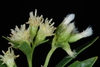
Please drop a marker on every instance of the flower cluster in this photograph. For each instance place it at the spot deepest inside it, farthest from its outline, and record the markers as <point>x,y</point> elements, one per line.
<point>67,33</point>
<point>26,39</point>
<point>38,27</point>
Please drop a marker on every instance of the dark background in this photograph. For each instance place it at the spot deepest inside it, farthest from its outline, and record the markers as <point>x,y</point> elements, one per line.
<point>14,12</point>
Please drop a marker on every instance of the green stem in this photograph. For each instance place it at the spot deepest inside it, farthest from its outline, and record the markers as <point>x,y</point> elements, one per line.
<point>49,56</point>
<point>30,58</point>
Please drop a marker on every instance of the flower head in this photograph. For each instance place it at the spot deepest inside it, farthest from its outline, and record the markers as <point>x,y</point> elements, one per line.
<point>20,34</point>
<point>34,22</point>
<point>8,57</point>
<point>46,29</point>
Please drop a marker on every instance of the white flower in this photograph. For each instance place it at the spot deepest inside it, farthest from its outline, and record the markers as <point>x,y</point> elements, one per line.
<point>20,34</point>
<point>8,57</point>
<point>35,20</point>
<point>47,27</point>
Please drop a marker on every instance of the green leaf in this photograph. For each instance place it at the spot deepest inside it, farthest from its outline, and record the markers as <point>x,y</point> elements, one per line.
<point>25,48</point>
<point>66,60</point>
<point>86,63</point>
<point>75,64</point>
<point>2,65</point>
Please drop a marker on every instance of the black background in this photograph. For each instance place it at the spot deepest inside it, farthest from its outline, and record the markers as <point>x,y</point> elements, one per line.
<point>17,12</point>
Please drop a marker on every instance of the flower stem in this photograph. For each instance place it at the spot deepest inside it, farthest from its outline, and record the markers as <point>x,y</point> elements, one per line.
<point>30,58</point>
<point>49,56</point>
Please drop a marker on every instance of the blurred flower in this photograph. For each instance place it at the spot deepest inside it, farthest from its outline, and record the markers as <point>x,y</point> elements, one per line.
<point>8,57</point>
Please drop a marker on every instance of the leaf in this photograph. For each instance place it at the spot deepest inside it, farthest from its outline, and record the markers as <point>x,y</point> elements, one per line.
<point>2,65</point>
<point>66,60</point>
<point>86,63</point>
<point>25,48</point>
<point>75,64</point>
